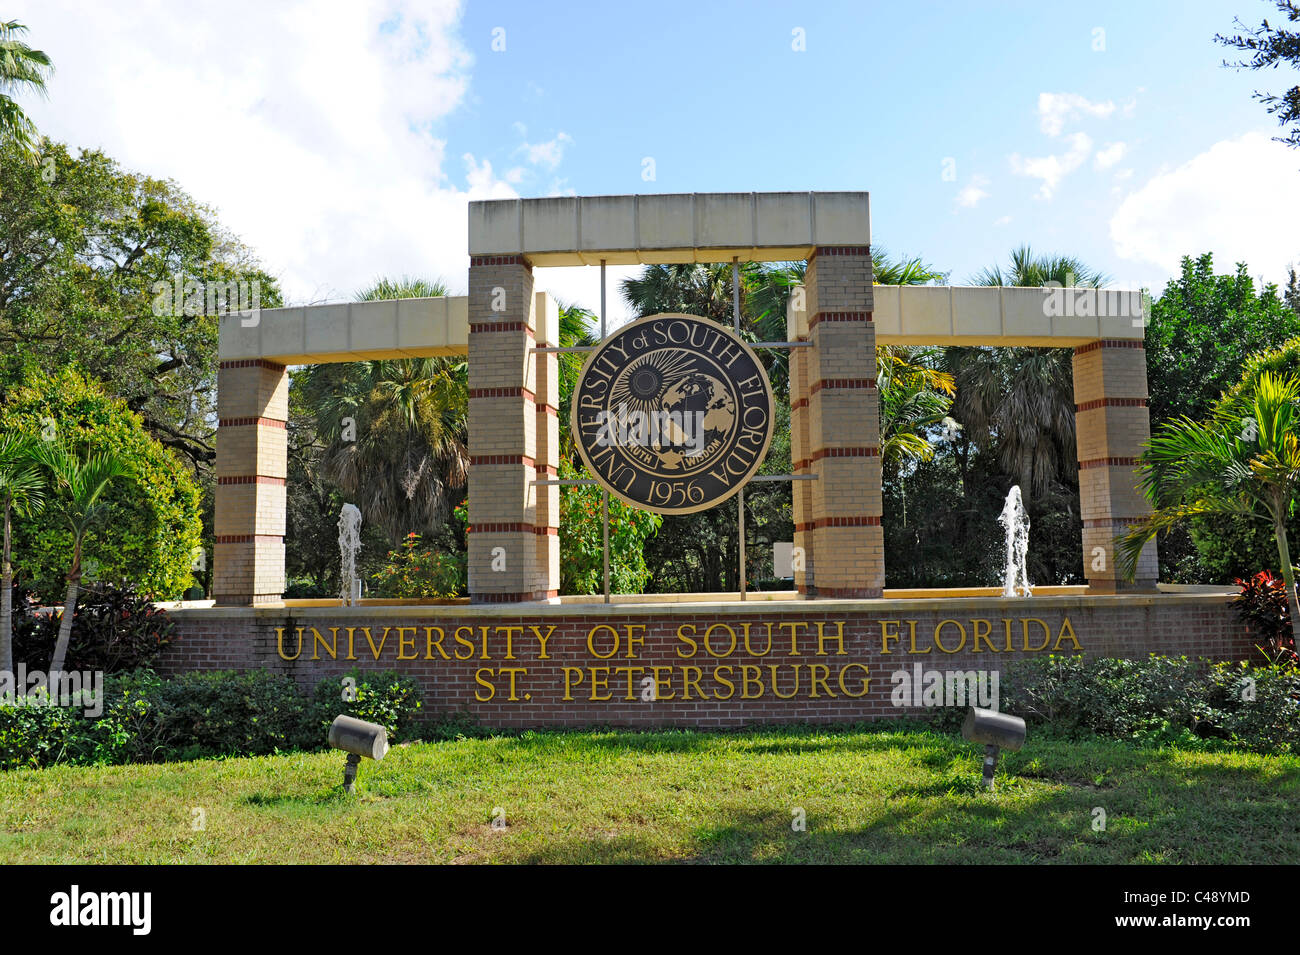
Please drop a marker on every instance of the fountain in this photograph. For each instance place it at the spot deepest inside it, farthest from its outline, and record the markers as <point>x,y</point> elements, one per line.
<point>349,546</point>
<point>1015,577</point>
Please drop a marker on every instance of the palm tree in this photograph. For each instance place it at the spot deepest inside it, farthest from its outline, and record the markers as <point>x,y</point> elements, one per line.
<point>22,489</point>
<point>411,446</point>
<point>81,483</point>
<point>1244,460</point>
<point>22,69</point>
<point>1020,401</point>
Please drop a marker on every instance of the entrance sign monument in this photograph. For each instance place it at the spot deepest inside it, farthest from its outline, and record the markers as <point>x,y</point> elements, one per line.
<point>674,413</point>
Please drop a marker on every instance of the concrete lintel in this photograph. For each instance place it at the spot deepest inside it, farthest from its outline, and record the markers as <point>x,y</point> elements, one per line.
<point>655,229</point>
<point>356,331</point>
<point>979,315</point>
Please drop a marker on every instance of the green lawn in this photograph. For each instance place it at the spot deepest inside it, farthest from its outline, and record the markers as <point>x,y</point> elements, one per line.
<point>869,795</point>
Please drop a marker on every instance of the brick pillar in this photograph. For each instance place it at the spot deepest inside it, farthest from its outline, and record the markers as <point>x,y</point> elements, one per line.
<point>547,372</point>
<point>252,465</point>
<point>844,424</point>
<point>503,564</point>
<point>1111,424</point>
<point>796,329</point>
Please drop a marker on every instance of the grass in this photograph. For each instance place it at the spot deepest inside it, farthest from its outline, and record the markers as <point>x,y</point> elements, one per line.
<point>869,795</point>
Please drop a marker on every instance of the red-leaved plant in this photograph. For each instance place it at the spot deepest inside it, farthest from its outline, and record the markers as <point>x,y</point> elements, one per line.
<point>1263,605</point>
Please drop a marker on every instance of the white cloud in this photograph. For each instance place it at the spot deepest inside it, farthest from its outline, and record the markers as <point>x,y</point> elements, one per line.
<point>333,176</point>
<point>970,196</point>
<point>1054,109</point>
<point>1110,154</point>
<point>1236,200</point>
<point>546,154</point>
<point>1002,220</point>
<point>1052,169</point>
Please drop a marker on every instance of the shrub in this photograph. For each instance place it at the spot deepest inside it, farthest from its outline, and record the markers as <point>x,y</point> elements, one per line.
<point>387,698</point>
<point>153,526</point>
<point>113,629</point>
<point>1158,699</point>
<point>1263,605</point>
<point>416,571</point>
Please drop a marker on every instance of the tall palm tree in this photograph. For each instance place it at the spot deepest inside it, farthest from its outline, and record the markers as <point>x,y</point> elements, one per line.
<point>22,69</point>
<point>81,483</point>
<point>410,449</point>
<point>22,489</point>
<point>1244,460</point>
<point>1019,402</point>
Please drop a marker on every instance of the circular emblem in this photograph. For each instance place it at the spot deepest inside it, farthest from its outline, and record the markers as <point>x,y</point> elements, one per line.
<point>673,413</point>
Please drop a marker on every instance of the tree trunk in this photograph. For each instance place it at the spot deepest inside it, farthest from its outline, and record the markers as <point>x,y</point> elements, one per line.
<point>1288,576</point>
<point>65,625</point>
<point>7,600</point>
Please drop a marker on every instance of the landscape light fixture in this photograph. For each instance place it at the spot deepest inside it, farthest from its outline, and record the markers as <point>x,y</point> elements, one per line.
<point>357,738</point>
<point>996,731</point>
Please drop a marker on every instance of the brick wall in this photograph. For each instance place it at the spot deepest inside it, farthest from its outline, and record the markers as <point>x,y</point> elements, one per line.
<point>835,646</point>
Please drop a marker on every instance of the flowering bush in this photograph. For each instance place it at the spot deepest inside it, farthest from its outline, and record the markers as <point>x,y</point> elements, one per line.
<point>1263,605</point>
<point>416,570</point>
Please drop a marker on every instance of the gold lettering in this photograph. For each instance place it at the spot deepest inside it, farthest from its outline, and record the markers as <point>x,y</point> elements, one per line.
<point>939,630</point>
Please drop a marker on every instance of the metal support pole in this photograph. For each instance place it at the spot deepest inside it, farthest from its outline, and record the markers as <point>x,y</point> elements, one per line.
<point>740,498</point>
<point>604,496</point>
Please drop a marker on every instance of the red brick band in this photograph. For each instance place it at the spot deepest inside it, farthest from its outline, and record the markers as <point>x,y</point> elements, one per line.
<point>801,464</point>
<point>502,459</point>
<point>1109,343</point>
<point>518,392</point>
<point>478,260</point>
<point>546,470</point>
<point>520,597</point>
<point>841,316</point>
<point>801,403</point>
<point>845,522</point>
<point>851,593</point>
<point>480,328</point>
<point>245,422</point>
<point>841,384</point>
<point>544,531</point>
<point>1107,463</point>
<point>802,528</point>
<point>1111,403</point>
<point>251,479</point>
<point>1111,521</point>
<point>548,409</point>
<point>864,452</point>
<point>249,539</point>
<point>517,527</point>
<point>251,363</point>
<point>840,250</point>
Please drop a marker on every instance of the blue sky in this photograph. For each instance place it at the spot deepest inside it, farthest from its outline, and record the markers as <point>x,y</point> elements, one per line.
<point>1106,130</point>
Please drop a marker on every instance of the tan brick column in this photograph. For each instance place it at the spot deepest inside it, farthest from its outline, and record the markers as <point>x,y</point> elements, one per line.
<point>252,464</point>
<point>547,372</point>
<point>503,565</point>
<point>800,456</point>
<point>1111,424</point>
<point>844,424</point>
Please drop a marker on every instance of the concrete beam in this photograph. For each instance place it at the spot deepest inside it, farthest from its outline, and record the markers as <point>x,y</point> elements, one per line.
<point>356,331</point>
<point>691,227</point>
<point>979,315</point>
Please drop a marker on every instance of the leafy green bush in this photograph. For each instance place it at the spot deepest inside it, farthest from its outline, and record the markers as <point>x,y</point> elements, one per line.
<point>153,525</point>
<point>113,629</point>
<point>1159,699</point>
<point>149,719</point>
<point>415,571</point>
<point>387,698</point>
